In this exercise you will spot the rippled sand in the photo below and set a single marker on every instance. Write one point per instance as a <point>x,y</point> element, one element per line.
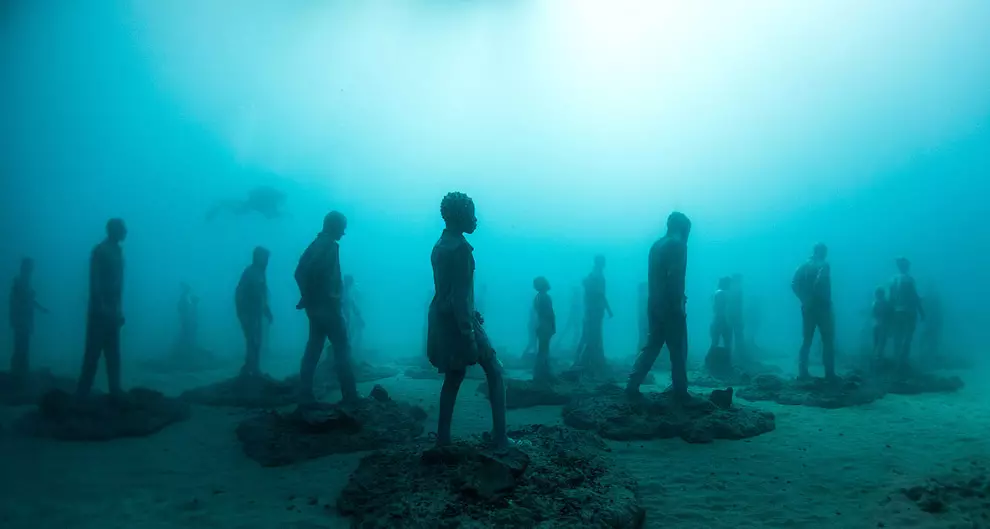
<point>819,469</point>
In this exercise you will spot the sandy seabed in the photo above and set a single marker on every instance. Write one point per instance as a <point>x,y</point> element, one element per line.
<point>820,469</point>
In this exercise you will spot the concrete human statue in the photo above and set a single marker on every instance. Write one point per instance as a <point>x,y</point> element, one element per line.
<point>321,289</point>
<point>104,316</point>
<point>456,337</point>
<point>596,307</point>
<point>667,306</point>
<point>251,302</point>
<point>23,306</point>
<point>906,308</point>
<point>812,284</point>
<point>546,327</point>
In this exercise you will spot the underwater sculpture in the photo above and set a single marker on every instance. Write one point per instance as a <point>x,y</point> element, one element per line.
<point>187,356</point>
<point>264,200</point>
<point>546,327</point>
<point>456,337</point>
<point>317,429</point>
<point>906,307</point>
<point>718,361</point>
<point>251,302</point>
<point>591,351</point>
<point>667,317</point>
<point>556,478</point>
<point>881,313</point>
<point>321,290</point>
<point>105,316</point>
<point>23,306</point>
<point>614,414</point>
<point>812,284</point>
<point>22,385</point>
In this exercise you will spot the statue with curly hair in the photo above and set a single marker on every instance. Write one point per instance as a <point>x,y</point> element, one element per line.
<point>456,338</point>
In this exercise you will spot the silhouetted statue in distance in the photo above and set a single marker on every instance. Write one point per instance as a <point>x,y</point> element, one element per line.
<point>251,301</point>
<point>456,337</point>
<point>881,313</point>
<point>321,290</point>
<point>104,316</point>
<point>906,306</point>
<point>23,305</point>
<point>596,306</point>
<point>546,327</point>
<point>720,329</point>
<point>812,284</point>
<point>667,308</point>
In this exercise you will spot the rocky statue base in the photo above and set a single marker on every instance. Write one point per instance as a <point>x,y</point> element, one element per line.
<point>553,478</point>
<point>319,429</point>
<point>844,392</point>
<point>563,389</point>
<point>14,392</point>
<point>246,392</point>
<point>614,415</point>
<point>138,413</point>
<point>908,380</point>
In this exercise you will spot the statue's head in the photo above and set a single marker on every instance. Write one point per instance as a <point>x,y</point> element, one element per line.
<point>903,265</point>
<point>678,224</point>
<point>724,283</point>
<point>541,284</point>
<point>820,252</point>
<point>335,224</point>
<point>116,230</point>
<point>260,257</point>
<point>457,211</point>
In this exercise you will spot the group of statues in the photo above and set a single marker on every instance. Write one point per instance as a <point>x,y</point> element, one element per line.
<point>456,337</point>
